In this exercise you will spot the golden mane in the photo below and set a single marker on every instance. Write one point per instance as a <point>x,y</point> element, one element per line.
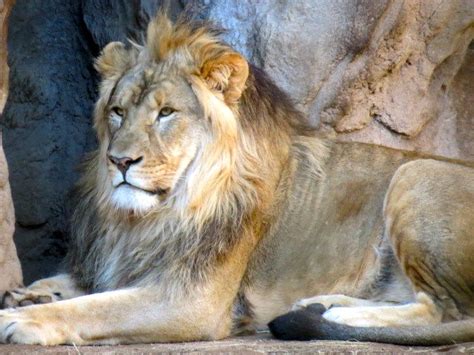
<point>253,133</point>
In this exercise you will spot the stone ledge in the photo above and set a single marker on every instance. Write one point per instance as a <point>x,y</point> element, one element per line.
<point>257,344</point>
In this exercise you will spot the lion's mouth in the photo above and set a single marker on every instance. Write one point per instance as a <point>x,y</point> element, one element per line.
<point>159,191</point>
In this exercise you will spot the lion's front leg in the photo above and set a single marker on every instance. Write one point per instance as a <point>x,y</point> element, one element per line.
<point>99,318</point>
<point>52,289</point>
<point>124,316</point>
<point>174,310</point>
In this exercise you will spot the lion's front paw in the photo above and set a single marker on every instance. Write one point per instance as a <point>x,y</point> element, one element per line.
<point>21,297</point>
<point>18,328</point>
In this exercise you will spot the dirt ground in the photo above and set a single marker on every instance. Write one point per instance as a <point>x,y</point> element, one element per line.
<point>259,344</point>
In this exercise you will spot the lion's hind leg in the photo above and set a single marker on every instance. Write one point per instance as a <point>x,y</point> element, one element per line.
<point>47,290</point>
<point>428,213</point>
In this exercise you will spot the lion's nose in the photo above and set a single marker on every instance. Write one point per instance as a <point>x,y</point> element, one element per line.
<point>123,164</point>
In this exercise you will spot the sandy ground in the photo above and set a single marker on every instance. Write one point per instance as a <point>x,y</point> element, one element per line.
<point>259,344</point>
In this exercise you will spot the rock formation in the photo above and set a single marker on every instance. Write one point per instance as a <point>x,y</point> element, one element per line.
<point>391,72</point>
<point>10,269</point>
<point>394,72</point>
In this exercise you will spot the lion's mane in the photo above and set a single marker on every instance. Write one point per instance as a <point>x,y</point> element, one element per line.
<point>232,184</point>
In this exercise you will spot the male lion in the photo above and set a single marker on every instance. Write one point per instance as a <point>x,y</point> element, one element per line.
<point>210,207</point>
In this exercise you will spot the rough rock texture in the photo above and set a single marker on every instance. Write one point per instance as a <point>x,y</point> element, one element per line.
<point>46,122</point>
<point>395,73</point>
<point>392,72</point>
<point>10,269</point>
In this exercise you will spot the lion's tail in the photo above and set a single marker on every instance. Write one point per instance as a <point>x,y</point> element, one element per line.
<point>308,324</point>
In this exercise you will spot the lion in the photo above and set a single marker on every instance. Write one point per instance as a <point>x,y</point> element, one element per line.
<point>211,207</point>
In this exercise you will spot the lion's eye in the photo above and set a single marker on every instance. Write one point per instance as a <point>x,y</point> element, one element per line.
<point>116,118</point>
<point>165,112</point>
<point>117,110</point>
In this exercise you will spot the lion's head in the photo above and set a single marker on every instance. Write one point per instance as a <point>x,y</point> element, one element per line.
<point>182,125</point>
<point>152,118</point>
<point>195,146</point>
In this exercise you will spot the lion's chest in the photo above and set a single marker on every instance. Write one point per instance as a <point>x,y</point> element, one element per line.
<point>126,259</point>
<point>150,255</point>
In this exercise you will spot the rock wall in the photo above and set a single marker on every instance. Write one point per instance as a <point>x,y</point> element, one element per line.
<point>391,72</point>
<point>46,122</point>
<point>394,72</point>
<point>10,268</point>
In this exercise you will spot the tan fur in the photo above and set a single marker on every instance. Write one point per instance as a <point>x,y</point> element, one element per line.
<point>234,210</point>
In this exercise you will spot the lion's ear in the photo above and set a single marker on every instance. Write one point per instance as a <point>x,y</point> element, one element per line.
<point>227,74</point>
<point>113,60</point>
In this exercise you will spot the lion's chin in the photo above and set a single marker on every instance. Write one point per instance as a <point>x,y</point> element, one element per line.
<point>129,198</point>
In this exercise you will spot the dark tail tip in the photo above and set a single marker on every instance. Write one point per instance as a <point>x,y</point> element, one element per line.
<point>298,325</point>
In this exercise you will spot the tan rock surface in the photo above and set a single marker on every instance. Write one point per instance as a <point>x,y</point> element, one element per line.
<point>391,72</point>
<point>10,269</point>
<point>416,83</point>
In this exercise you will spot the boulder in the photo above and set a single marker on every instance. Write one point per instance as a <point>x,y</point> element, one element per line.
<point>10,268</point>
<point>395,73</point>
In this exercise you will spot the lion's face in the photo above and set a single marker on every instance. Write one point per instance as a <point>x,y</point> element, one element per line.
<point>167,124</point>
<point>155,126</point>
